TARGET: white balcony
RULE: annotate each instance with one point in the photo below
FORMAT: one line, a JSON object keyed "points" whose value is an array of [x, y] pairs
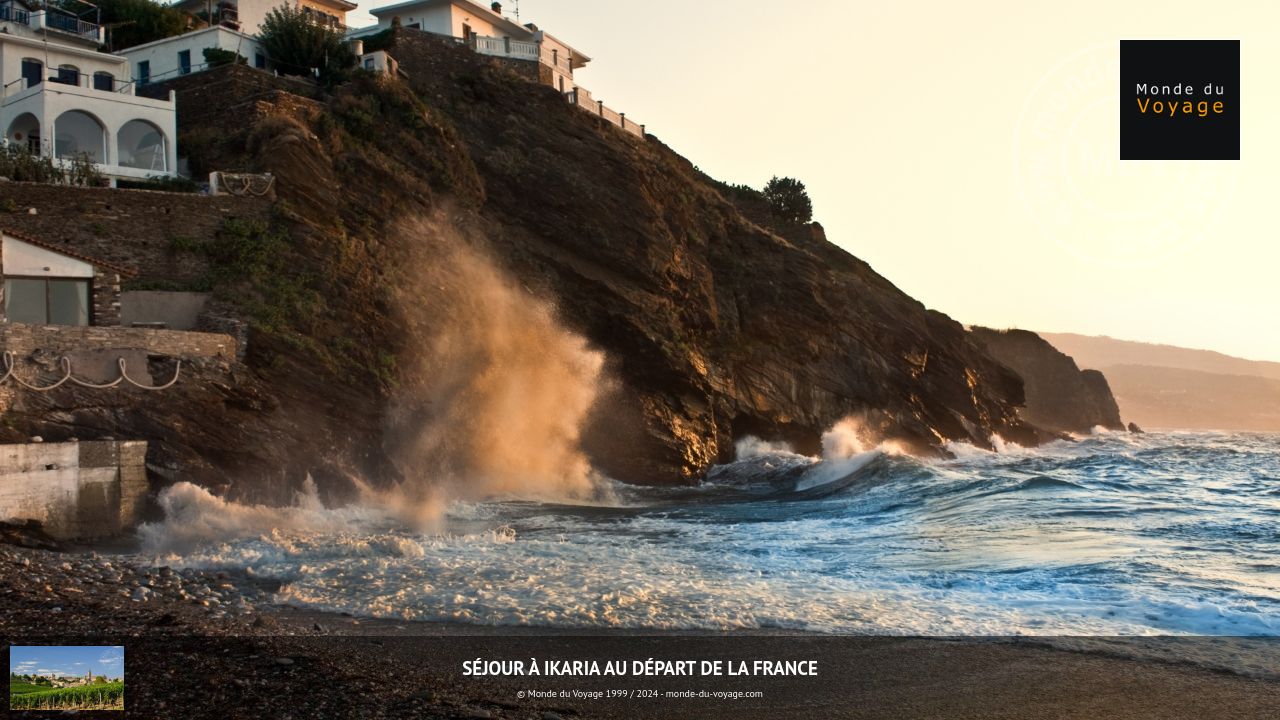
{"points": [[125, 135], [506, 47]]}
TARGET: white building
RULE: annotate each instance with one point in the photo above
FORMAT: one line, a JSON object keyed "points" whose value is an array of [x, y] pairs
{"points": [[234, 28], [62, 97], [172, 57], [247, 15], [488, 32]]}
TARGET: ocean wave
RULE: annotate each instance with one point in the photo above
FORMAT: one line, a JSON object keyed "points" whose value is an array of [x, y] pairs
{"points": [[1109, 535]]}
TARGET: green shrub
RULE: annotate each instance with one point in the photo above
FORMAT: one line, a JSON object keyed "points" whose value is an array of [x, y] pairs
{"points": [[789, 200], [217, 57], [162, 183], [19, 163]]}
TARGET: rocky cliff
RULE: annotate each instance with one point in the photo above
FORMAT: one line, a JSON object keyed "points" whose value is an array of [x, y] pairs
{"points": [[712, 321], [1060, 396]]}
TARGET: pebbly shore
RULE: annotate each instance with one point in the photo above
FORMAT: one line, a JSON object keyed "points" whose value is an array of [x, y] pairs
{"points": [[213, 644]]}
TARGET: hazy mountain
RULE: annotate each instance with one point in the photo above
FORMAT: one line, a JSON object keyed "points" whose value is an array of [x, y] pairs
{"points": [[1164, 386], [1103, 352], [1176, 398]]}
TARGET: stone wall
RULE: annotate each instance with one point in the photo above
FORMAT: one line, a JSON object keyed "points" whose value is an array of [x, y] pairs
{"points": [[214, 92], [141, 229], [24, 340], [425, 54], [106, 298], [75, 490]]}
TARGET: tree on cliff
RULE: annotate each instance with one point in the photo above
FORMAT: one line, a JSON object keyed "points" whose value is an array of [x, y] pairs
{"points": [[135, 22], [298, 46], [789, 200]]}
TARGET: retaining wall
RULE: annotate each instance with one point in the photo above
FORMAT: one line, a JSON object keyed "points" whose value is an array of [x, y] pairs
{"points": [[75, 490]]}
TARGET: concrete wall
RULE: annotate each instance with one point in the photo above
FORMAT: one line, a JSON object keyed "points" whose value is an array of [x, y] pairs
{"points": [[479, 19], [436, 19], [76, 490], [177, 310]]}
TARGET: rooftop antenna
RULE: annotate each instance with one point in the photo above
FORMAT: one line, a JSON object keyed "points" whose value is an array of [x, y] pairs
{"points": [[516, 5]]}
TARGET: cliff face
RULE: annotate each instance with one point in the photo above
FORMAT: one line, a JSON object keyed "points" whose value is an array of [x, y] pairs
{"points": [[714, 323], [1060, 396]]}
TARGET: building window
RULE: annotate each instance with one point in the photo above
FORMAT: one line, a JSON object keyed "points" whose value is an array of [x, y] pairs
{"points": [[144, 72], [46, 301], [369, 64], [68, 75], [32, 71], [260, 61], [104, 81], [184, 62]]}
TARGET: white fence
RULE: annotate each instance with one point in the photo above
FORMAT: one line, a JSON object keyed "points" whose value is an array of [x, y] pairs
{"points": [[582, 98], [506, 47], [534, 52]]}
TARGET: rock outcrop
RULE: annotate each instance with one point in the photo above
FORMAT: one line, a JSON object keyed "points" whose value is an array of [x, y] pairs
{"points": [[716, 321], [1060, 396]]}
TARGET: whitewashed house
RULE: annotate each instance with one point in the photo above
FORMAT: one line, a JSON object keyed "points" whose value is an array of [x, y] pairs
{"points": [[488, 31], [184, 54], [62, 97], [234, 26]]}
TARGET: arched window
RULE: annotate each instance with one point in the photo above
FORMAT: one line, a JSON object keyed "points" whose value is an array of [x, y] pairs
{"points": [[104, 81], [68, 75], [24, 131], [76, 132], [139, 144]]}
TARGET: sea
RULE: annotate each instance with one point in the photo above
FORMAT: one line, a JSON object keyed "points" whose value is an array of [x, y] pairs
{"points": [[1110, 534]]}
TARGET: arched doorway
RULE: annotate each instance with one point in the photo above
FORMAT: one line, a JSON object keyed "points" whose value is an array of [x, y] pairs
{"points": [[24, 131], [139, 144], [77, 132]]}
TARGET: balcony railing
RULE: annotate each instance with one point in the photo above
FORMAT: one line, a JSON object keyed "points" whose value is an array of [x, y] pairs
{"points": [[9, 13], [95, 83], [69, 24], [553, 59], [505, 47]]}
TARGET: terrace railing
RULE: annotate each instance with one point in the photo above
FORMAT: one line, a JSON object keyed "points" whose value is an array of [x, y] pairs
{"points": [[581, 97], [59, 20], [9, 13], [505, 47], [534, 52]]}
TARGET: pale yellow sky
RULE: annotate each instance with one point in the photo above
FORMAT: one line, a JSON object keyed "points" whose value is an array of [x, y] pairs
{"points": [[969, 151]]}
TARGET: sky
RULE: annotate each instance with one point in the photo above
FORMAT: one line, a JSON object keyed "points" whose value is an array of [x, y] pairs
{"points": [[969, 151], [68, 660]]}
